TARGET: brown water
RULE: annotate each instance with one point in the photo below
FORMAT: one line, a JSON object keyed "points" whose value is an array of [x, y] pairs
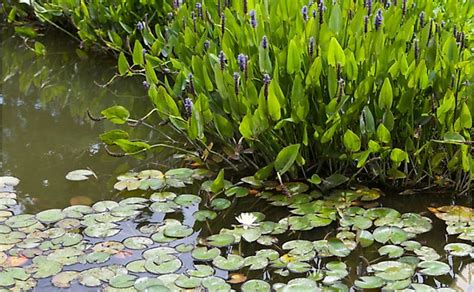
{"points": [[45, 133]]}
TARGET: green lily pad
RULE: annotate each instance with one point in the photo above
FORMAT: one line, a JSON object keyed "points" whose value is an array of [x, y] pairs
{"points": [[251, 234], [158, 252], [12, 237], [422, 287], [164, 207], [162, 196], [102, 230], [215, 284], [137, 242], [150, 284], [338, 248], [220, 240], [204, 215], [256, 262], [369, 282], [397, 285], [459, 249], [187, 200], [411, 245], [177, 231], [50, 216], [104, 206], [231, 263], [64, 279], [137, 266], [43, 268], [8, 181], [21, 221], [255, 286], [427, 253], [434, 268], [299, 284], [122, 281], [392, 271], [188, 282], [299, 267], [164, 265], [220, 204], [365, 238], [392, 251], [201, 271], [396, 235]]}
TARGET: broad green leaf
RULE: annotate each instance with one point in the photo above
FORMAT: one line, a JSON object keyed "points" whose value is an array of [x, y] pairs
{"points": [[286, 158], [335, 53], [351, 141], [116, 114]]}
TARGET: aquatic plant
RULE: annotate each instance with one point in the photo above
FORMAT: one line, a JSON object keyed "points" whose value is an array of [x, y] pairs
{"points": [[140, 243], [364, 90]]}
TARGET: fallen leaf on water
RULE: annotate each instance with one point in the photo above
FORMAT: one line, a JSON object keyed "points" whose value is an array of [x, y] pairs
{"points": [[123, 254], [15, 261], [237, 278]]}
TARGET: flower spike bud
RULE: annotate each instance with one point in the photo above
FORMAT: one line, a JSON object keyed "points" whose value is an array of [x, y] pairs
{"points": [[236, 82], [265, 42], [378, 19], [304, 12], [222, 60], [253, 18]]}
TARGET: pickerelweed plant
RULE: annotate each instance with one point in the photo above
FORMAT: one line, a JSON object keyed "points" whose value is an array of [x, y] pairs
{"points": [[371, 89]]}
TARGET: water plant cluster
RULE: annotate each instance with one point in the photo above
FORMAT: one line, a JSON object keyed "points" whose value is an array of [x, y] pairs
{"points": [[167, 241], [362, 88]]}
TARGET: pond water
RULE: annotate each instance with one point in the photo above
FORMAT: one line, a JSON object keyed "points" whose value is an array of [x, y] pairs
{"points": [[45, 133]]}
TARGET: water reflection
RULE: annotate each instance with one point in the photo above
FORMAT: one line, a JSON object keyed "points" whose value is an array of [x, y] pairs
{"points": [[45, 132]]}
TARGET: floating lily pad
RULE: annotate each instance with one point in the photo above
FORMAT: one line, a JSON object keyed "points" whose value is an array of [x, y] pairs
{"points": [[188, 282], [427, 253], [392, 251], [392, 271], [459, 249], [80, 175], [150, 284], [256, 262], [215, 284], [178, 231], [299, 267], [102, 230], [203, 215], [256, 286], [162, 196], [64, 279], [8, 181], [12, 237], [201, 271], [187, 200], [365, 238], [122, 281], [395, 235], [231, 263], [164, 265], [221, 240], [220, 204], [434, 268], [21, 221], [369, 282], [50, 216]]}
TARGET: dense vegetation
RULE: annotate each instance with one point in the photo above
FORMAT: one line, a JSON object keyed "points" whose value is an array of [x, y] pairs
{"points": [[361, 88]]}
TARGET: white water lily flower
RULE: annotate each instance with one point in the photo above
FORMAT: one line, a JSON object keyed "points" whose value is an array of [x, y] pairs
{"points": [[247, 220]]}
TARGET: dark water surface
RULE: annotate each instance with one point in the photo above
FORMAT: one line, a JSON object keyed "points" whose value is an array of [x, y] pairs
{"points": [[45, 133]]}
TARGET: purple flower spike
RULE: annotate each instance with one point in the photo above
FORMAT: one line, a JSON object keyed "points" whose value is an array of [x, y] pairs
{"points": [[304, 12], [207, 45], [311, 47], [253, 18], [422, 19], [236, 82], [190, 83], [146, 84], [266, 82], [265, 42], [378, 19], [188, 106], [368, 5], [199, 9], [140, 25], [222, 60], [366, 24]]}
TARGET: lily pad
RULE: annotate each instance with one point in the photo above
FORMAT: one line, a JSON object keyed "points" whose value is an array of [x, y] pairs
{"points": [[459, 249], [392, 251], [50, 216], [21, 221], [369, 282], [434, 268], [102, 230], [137, 242], [165, 265], [64, 279], [186, 282], [392, 271], [220, 204], [80, 175], [203, 215], [396, 235], [201, 271], [177, 231], [255, 286], [220, 240], [122, 281], [187, 200], [231, 263]]}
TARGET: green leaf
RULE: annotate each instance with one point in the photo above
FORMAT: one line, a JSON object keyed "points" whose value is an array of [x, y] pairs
{"points": [[352, 141], [223, 126], [386, 95], [138, 53], [131, 147], [122, 64], [286, 158], [116, 114], [111, 136], [336, 53], [274, 108], [383, 134], [293, 58], [398, 155], [218, 184]]}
